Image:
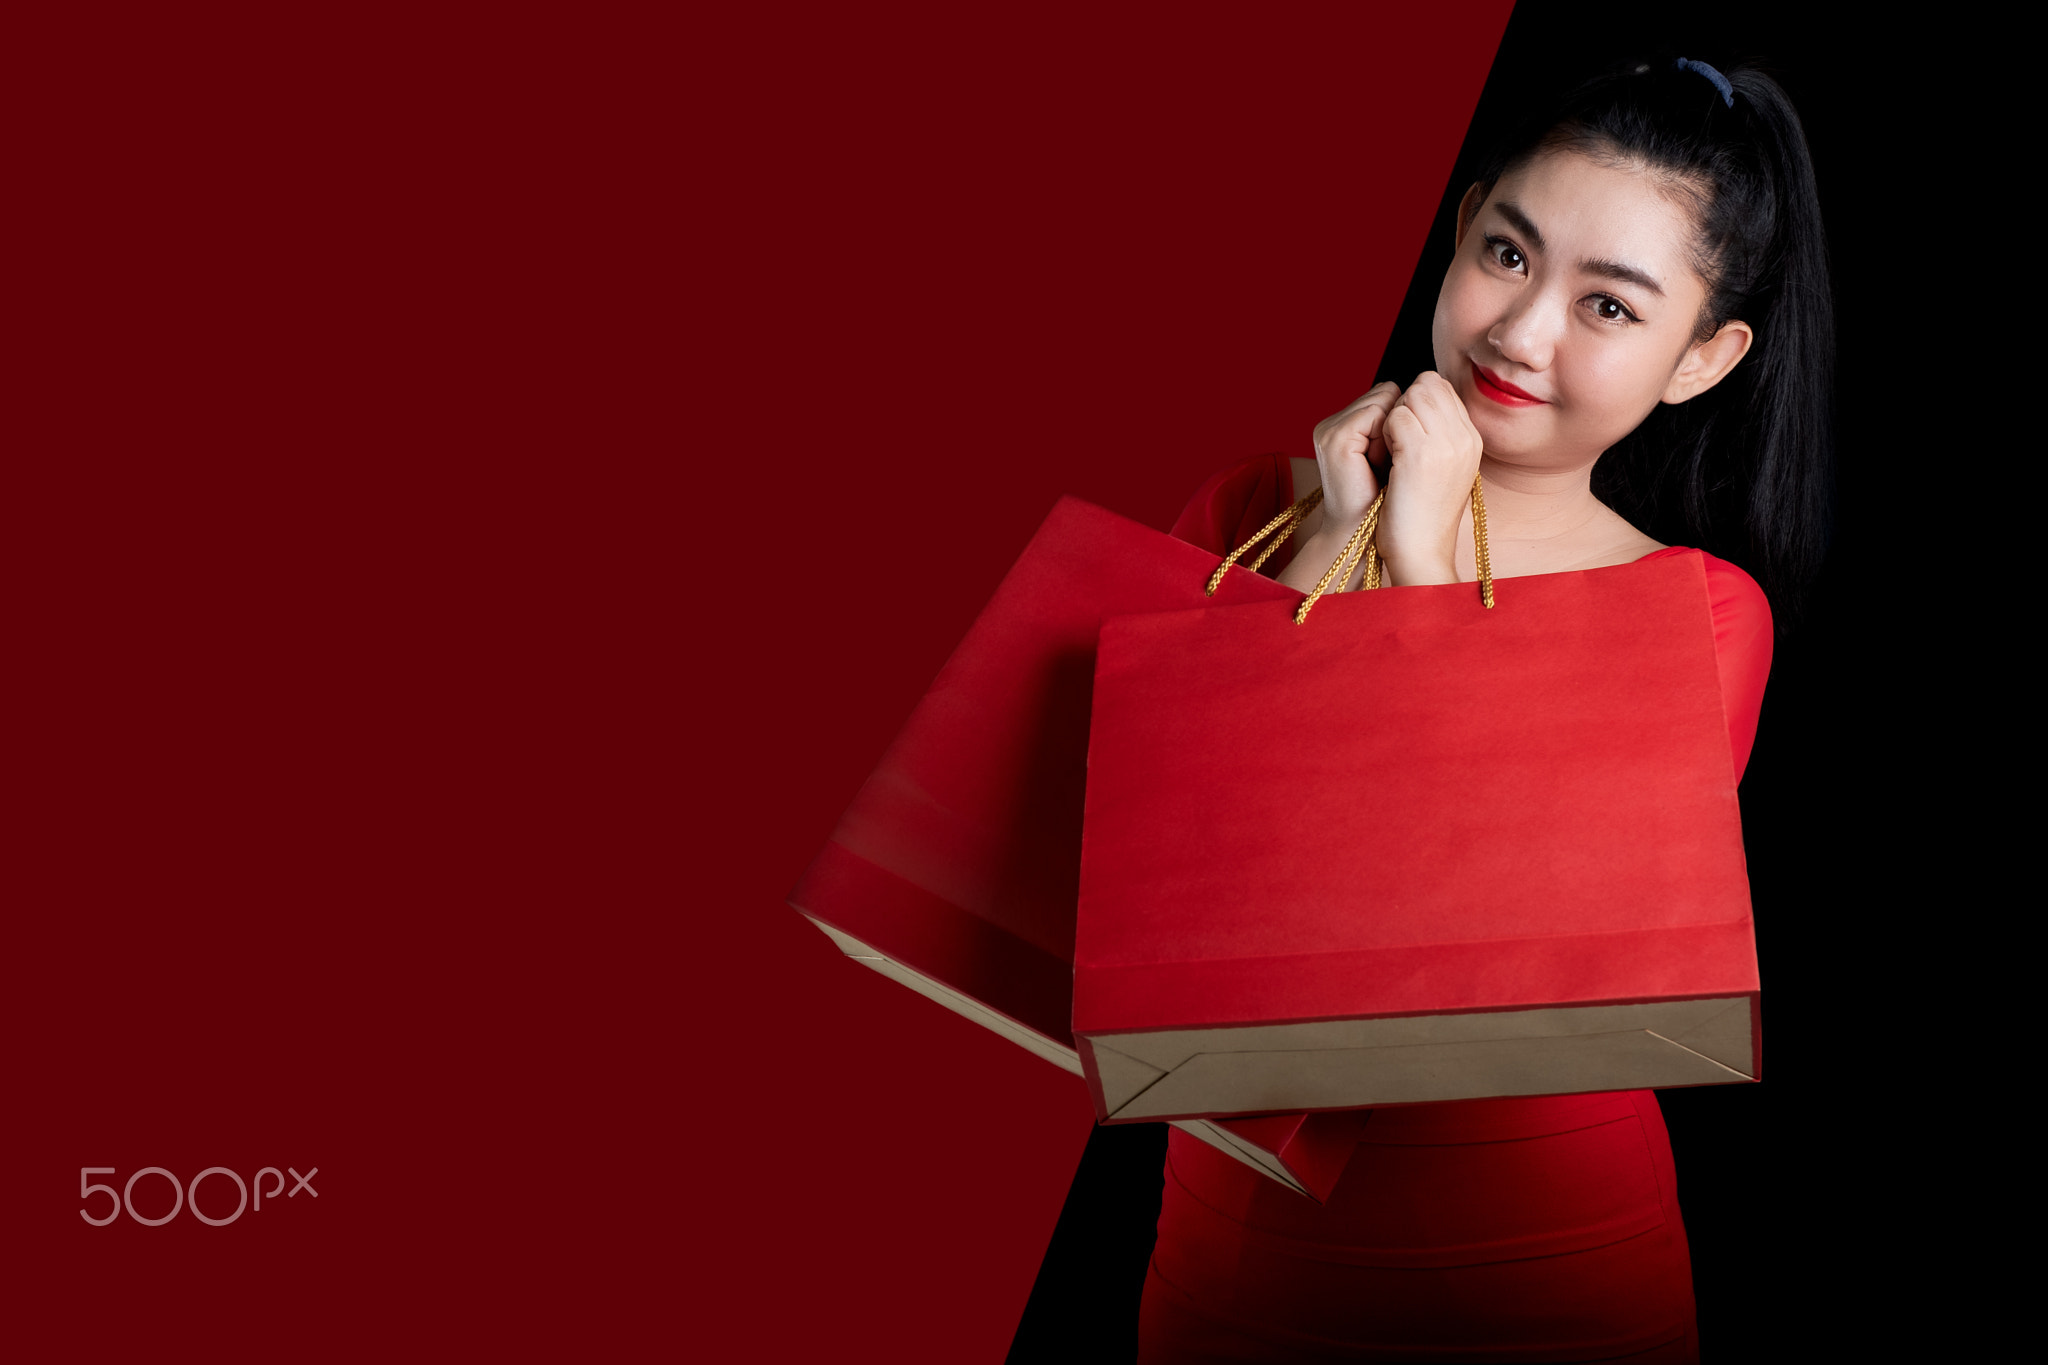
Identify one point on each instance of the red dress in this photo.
(1543, 1229)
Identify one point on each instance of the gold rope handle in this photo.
(1364, 544)
(1340, 568)
(1291, 519)
(1479, 543)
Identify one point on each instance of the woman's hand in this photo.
(1351, 456)
(1433, 451)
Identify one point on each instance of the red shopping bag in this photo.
(956, 868)
(1413, 849)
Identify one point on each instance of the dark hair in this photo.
(1746, 467)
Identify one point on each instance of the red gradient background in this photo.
(488, 485)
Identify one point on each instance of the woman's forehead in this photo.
(1583, 208)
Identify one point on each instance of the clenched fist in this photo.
(1351, 455)
(1433, 456)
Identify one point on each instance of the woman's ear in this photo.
(1468, 209)
(1707, 363)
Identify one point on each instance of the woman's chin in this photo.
(1508, 436)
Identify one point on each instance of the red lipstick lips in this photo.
(1500, 391)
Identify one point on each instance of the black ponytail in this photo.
(1746, 468)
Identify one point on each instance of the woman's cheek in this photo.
(1442, 328)
(1462, 317)
(1580, 387)
(1620, 396)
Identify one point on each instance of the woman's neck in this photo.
(1547, 521)
(1526, 504)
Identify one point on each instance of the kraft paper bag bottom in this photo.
(1344, 1064)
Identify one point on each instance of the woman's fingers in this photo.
(1363, 414)
(1386, 391)
(1433, 412)
(1350, 454)
(1376, 453)
(1358, 425)
(1442, 400)
(1403, 428)
(1434, 451)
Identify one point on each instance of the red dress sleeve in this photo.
(1237, 501)
(1742, 649)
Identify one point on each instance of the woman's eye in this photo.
(1504, 253)
(1609, 309)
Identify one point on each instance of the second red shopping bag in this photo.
(956, 867)
(955, 870)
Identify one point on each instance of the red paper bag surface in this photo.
(957, 867)
(1414, 850)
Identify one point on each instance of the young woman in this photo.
(1635, 330)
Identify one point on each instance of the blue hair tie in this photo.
(1720, 81)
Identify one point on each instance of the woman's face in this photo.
(1568, 311)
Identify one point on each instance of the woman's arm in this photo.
(1742, 652)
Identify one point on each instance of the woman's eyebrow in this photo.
(1605, 269)
(1519, 221)
(1627, 274)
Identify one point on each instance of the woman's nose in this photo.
(1527, 334)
